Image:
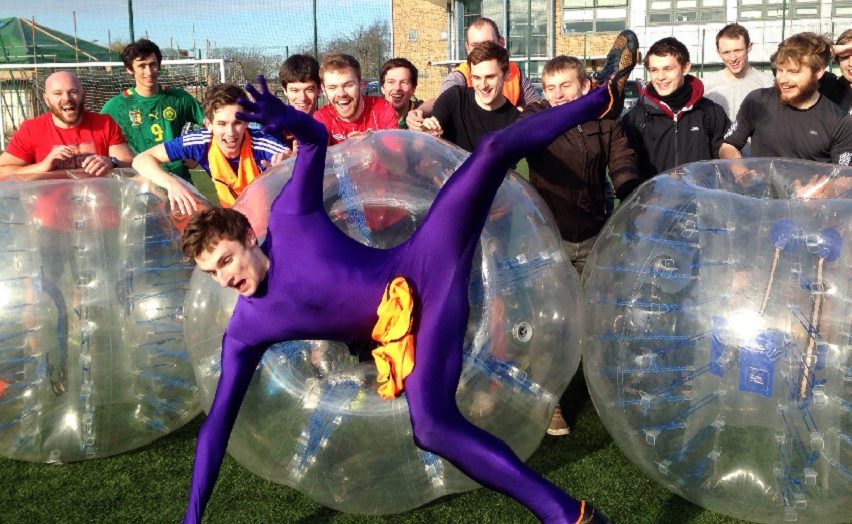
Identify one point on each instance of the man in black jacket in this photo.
(673, 123)
(570, 174)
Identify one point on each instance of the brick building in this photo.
(430, 33)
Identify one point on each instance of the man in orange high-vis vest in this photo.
(517, 88)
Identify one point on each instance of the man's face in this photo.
(343, 89)
(487, 79)
(478, 34)
(398, 88)
(734, 54)
(65, 98)
(235, 265)
(228, 130)
(303, 96)
(145, 71)
(666, 73)
(844, 61)
(796, 82)
(563, 86)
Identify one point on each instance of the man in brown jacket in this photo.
(571, 174)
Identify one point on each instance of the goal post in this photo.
(22, 85)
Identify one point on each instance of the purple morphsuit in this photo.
(317, 273)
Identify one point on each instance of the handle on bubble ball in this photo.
(782, 234)
(830, 244)
(829, 249)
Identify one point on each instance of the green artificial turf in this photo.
(151, 485)
(202, 181)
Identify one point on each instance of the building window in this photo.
(842, 8)
(581, 16)
(774, 9)
(527, 35)
(668, 12)
(473, 9)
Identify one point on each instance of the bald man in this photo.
(68, 137)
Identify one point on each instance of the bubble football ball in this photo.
(720, 314)
(92, 285)
(312, 418)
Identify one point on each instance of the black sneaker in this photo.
(589, 515)
(620, 61)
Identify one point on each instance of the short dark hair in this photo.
(734, 32)
(140, 49)
(669, 46)
(219, 96)
(208, 227)
(808, 49)
(481, 21)
(393, 63)
(299, 68)
(339, 62)
(565, 63)
(484, 51)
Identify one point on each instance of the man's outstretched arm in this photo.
(303, 194)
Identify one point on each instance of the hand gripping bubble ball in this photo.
(312, 418)
(92, 285)
(720, 336)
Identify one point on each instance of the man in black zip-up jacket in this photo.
(673, 123)
(570, 175)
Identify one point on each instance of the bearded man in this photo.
(68, 137)
(792, 119)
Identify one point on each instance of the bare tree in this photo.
(370, 45)
(245, 63)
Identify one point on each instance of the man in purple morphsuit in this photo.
(296, 283)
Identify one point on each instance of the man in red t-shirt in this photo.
(68, 137)
(349, 112)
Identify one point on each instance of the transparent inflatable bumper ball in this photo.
(720, 336)
(92, 286)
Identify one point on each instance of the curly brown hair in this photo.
(808, 49)
(219, 96)
(208, 227)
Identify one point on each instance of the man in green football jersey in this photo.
(150, 114)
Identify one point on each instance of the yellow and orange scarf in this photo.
(230, 185)
(395, 357)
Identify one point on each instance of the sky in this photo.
(179, 23)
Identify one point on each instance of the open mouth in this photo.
(241, 286)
